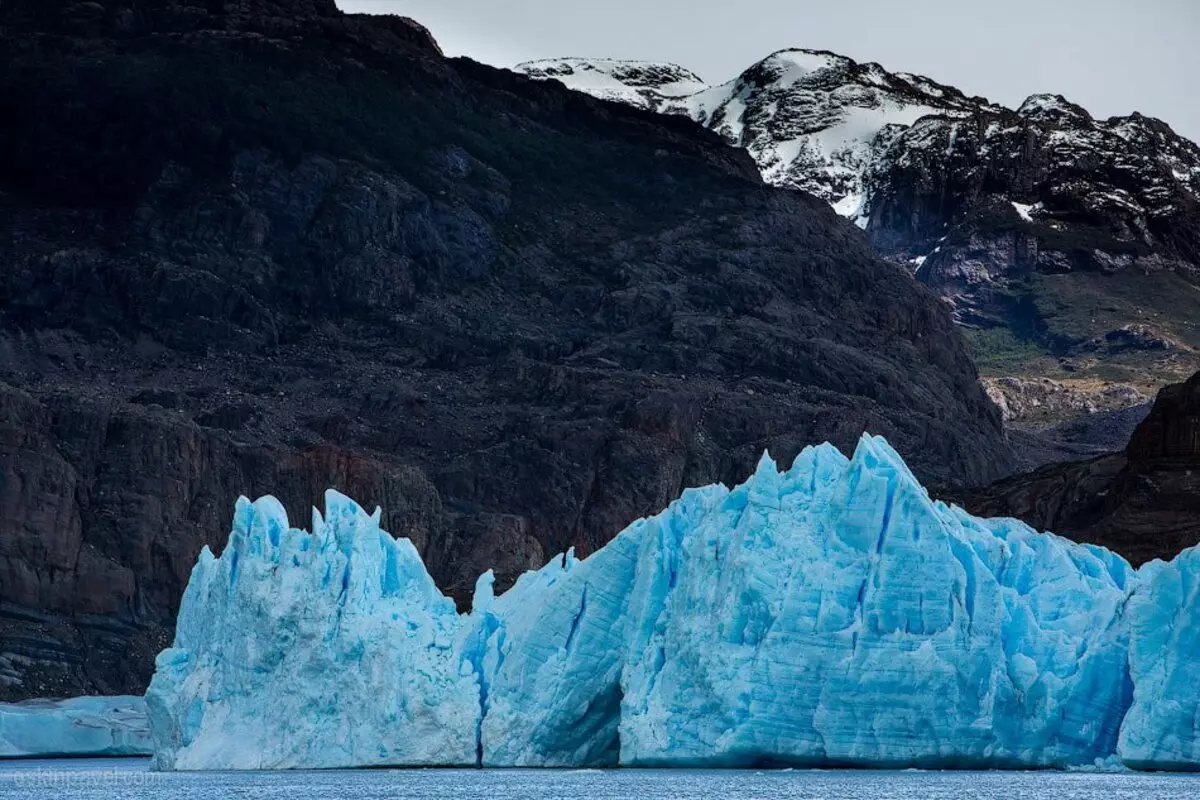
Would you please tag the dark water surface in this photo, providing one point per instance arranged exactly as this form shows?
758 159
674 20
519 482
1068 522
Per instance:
104 779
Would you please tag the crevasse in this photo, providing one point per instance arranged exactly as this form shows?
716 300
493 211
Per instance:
832 614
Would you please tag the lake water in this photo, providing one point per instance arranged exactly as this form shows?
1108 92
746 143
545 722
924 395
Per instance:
107 779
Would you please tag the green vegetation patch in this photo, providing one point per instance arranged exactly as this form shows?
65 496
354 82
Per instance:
1078 307
1001 351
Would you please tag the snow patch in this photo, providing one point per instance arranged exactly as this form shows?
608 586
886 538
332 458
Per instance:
640 83
1027 211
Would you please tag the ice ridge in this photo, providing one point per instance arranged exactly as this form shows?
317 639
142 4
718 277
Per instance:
831 614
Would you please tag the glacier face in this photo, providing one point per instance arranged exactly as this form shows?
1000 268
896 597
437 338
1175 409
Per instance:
79 726
325 649
831 614
1160 731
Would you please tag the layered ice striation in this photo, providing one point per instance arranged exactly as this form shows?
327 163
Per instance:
77 727
832 614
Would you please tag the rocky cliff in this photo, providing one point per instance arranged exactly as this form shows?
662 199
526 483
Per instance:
1143 502
261 247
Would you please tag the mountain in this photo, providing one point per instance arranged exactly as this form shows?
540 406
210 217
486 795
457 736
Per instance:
813 120
1068 247
262 247
1143 502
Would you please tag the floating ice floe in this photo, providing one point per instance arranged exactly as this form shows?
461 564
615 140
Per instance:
80 726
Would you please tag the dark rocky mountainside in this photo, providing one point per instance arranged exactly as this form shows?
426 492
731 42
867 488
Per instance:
261 247
1143 502
1068 246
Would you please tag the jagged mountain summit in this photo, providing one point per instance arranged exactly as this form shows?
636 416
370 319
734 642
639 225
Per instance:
1068 245
813 120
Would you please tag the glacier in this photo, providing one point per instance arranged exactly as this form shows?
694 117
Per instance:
1160 731
75 727
832 614
325 649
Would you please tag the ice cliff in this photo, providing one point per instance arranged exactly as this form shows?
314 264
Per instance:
325 649
1160 731
80 726
832 614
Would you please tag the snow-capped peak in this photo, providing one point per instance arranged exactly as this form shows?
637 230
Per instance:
969 193
811 118
796 64
1051 107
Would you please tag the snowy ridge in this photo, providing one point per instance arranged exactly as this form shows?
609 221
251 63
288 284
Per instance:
982 201
1138 165
813 120
907 157
829 614
645 84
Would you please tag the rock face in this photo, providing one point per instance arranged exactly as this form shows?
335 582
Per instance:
127 17
252 259
1171 434
1051 233
1144 503
1048 401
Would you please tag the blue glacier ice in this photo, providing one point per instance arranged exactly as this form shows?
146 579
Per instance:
1160 730
831 614
79 726
325 649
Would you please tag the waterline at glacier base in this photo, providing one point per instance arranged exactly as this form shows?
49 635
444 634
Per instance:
829 615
